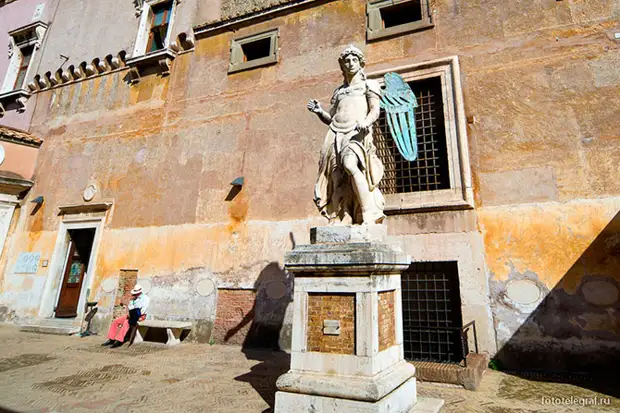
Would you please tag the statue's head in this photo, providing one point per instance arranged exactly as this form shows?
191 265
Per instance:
351 60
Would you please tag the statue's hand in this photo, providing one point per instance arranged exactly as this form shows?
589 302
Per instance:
362 127
314 106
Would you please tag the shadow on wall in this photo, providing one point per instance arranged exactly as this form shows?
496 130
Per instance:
575 330
273 292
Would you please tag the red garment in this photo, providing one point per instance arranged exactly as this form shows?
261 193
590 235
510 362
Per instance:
118 329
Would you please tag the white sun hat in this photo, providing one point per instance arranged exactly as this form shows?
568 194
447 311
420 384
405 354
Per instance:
136 290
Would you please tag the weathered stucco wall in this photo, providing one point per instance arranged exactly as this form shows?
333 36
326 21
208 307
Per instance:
539 83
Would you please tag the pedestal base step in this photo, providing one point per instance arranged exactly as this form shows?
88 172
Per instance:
401 400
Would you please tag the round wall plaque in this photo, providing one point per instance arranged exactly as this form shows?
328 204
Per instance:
89 192
109 284
523 292
205 287
600 292
145 284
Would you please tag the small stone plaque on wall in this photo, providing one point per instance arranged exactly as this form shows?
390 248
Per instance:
331 327
27 263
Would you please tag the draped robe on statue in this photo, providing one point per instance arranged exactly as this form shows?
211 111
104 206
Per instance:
333 193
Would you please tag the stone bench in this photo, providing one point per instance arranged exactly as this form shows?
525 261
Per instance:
174 329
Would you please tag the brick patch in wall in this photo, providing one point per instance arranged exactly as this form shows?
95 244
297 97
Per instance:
234 316
339 307
387 320
126 281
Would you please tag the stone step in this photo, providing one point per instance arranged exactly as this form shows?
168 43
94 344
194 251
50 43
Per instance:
51 326
468 377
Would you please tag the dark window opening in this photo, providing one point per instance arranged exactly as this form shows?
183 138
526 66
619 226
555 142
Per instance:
159 27
402 13
432 318
26 53
430 171
256 49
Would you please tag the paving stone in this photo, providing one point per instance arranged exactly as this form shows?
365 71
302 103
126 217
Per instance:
48 373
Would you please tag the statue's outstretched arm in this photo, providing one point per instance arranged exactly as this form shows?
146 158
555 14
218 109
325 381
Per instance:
315 106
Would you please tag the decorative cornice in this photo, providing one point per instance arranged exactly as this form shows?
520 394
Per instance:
184 43
258 13
84 208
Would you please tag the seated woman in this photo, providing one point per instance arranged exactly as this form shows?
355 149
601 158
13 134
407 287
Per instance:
136 311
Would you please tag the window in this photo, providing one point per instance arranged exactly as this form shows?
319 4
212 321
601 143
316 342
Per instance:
26 56
440 177
391 17
24 44
430 171
253 51
432 318
160 21
156 20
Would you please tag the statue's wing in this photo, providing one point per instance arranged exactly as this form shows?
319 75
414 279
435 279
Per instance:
399 103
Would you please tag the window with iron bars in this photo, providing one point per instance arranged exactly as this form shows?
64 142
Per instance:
432 316
430 171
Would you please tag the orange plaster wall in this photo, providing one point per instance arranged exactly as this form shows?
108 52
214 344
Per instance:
19 159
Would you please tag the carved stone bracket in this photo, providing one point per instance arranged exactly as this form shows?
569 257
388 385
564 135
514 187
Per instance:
138 6
165 65
17 97
21 104
134 75
161 58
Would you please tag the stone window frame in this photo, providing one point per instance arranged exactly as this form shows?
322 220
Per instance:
38 28
145 13
236 52
460 194
374 29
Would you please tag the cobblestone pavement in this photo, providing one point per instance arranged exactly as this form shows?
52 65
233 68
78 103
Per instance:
46 373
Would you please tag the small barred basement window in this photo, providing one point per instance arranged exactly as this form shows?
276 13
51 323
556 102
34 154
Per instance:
432 318
391 17
253 51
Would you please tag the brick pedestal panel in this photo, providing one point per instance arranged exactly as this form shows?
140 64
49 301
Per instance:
387 320
339 307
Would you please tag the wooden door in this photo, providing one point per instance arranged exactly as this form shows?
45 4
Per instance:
71 283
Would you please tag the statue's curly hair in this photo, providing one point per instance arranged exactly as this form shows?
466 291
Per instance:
352 50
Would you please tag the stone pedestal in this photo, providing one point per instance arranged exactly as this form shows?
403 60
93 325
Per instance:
347 346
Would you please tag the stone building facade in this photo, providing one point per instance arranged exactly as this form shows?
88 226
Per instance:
511 214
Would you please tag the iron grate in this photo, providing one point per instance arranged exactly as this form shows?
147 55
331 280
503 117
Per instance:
432 312
431 170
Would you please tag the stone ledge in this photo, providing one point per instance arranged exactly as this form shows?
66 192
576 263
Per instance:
341 234
401 400
351 257
369 389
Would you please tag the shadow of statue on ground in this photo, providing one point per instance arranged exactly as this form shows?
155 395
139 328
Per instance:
263 376
574 332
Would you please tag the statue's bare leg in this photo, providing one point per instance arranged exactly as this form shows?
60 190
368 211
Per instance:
369 212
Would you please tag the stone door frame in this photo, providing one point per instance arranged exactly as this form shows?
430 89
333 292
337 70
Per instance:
53 282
